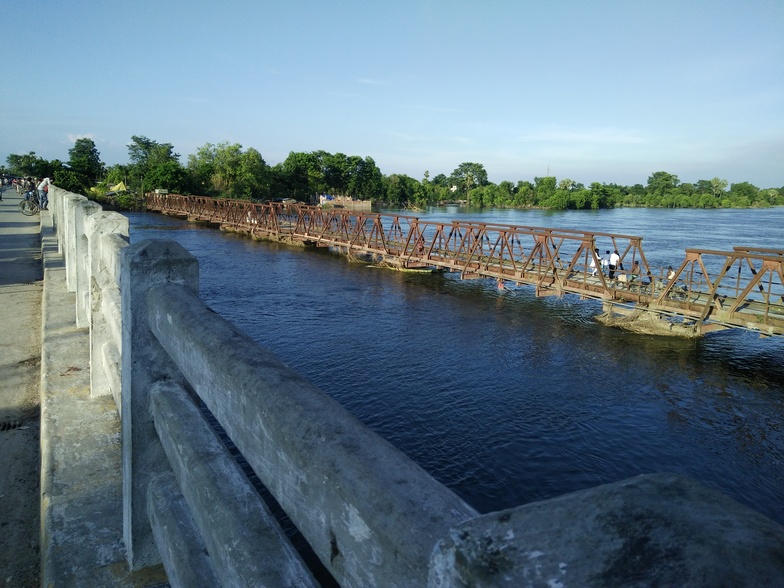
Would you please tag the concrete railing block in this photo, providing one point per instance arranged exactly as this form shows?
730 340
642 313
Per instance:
107 236
235 524
185 557
111 247
82 211
144 362
653 530
111 368
70 202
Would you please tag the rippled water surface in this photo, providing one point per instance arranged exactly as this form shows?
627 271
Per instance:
504 397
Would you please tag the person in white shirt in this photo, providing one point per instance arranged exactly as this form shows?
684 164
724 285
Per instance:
592 265
43 195
615 261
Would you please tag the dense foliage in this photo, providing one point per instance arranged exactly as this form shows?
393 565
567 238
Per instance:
226 170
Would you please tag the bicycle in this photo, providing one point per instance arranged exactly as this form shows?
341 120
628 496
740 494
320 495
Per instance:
30 205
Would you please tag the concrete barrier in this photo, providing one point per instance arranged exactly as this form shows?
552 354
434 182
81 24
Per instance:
372 516
91 242
107 236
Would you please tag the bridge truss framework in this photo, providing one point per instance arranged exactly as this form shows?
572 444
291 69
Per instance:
710 290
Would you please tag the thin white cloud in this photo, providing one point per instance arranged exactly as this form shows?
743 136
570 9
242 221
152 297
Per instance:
603 136
371 82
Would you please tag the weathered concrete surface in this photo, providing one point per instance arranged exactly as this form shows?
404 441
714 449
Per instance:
228 513
371 514
653 530
144 362
108 236
81 477
20 357
183 552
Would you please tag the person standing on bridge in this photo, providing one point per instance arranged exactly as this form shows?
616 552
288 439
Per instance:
594 262
43 193
615 261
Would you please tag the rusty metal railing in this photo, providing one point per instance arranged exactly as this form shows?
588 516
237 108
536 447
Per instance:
712 290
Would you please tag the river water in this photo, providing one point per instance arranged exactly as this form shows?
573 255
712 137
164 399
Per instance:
504 397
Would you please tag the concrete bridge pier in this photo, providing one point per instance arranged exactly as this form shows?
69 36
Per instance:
643 320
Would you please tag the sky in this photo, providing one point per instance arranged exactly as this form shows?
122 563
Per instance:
605 91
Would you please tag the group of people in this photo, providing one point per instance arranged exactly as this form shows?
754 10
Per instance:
608 264
27 185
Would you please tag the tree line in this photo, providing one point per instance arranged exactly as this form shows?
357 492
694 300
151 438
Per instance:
226 170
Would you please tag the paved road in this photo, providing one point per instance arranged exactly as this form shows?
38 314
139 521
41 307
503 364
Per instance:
20 359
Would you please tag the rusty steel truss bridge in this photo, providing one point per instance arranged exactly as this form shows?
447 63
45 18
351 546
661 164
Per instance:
710 290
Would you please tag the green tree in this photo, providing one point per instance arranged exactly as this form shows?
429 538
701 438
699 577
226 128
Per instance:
525 194
224 169
67 179
144 152
155 165
744 189
580 199
253 181
659 183
544 190
743 194
336 169
365 179
400 189
168 175
598 196
201 168
85 161
718 187
441 180
302 175
468 175
567 184
29 164
115 174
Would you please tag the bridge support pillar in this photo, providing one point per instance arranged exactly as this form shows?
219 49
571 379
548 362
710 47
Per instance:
67 232
144 362
82 210
646 321
107 235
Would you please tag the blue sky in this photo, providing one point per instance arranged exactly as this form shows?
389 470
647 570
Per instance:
607 91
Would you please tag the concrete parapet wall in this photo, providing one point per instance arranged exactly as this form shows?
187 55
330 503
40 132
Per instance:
91 242
231 518
372 516
652 530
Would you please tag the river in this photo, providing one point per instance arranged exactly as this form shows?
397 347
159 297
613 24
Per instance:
504 397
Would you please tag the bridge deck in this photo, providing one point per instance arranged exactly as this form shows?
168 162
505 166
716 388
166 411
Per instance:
742 288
